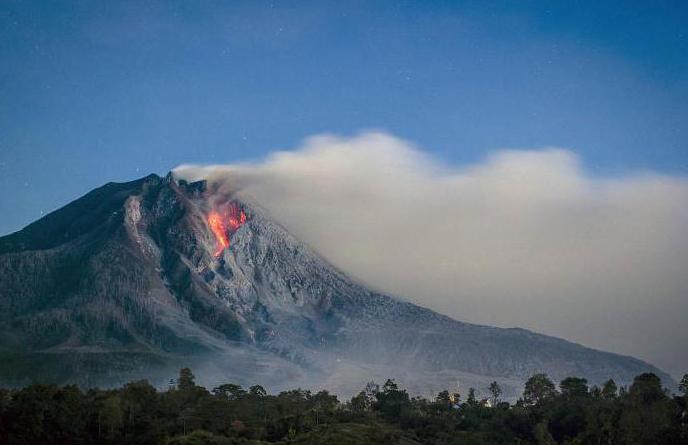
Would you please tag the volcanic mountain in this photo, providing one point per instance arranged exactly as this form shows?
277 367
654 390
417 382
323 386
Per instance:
137 279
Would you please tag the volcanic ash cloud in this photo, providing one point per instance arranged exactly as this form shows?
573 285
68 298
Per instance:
523 238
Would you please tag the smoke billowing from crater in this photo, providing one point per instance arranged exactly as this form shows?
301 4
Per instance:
523 238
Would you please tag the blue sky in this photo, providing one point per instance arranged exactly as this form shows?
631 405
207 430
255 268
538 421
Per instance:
92 92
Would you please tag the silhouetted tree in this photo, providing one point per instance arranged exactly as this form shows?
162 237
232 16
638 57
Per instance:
567 417
647 414
443 398
470 399
257 391
110 418
495 392
139 401
186 380
390 401
609 390
573 387
230 391
188 414
538 388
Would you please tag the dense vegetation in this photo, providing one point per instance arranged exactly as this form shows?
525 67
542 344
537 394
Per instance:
188 414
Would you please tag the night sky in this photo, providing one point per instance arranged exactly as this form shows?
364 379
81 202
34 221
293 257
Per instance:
92 92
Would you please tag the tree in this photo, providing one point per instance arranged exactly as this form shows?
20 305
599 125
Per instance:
371 390
609 390
538 389
567 416
257 391
595 392
443 398
391 400
648 412
471 400
28 411
390 386
139 404
110 417
138 414
542 435
496 392
186 382
646 389
574 387
360 403
69 418
324 405
230 391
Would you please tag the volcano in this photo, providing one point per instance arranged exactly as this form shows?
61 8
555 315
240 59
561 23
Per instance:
135 280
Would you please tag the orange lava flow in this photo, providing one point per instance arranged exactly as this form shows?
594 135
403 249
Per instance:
224 223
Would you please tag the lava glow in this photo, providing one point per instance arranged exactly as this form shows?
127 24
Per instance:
223 223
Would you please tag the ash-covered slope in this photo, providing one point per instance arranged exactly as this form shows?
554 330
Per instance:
124 283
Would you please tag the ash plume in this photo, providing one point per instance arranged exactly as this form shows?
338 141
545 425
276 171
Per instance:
523 238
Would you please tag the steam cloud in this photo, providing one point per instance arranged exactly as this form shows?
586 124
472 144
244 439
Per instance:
524 238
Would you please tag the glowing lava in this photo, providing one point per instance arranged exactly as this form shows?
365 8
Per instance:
223 224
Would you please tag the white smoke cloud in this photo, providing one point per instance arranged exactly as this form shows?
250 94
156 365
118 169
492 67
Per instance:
524 238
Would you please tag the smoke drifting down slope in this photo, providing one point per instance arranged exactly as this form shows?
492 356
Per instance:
524 238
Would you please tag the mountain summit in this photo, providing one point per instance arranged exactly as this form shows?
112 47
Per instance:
136 279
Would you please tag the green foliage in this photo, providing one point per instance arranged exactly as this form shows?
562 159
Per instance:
573 387
609 390
443 399
538 389
186 380
391 401
648 414
471 400
496 392
352 434
187 414
257 391
201 437
360 403
230 391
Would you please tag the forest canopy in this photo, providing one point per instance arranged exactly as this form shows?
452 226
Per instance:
571 412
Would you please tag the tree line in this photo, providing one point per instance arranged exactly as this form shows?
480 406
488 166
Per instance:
187 414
